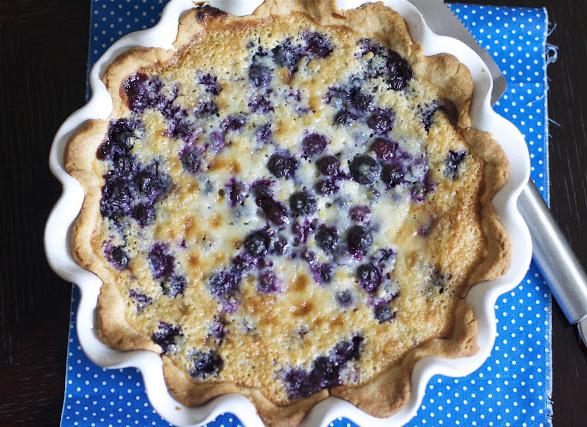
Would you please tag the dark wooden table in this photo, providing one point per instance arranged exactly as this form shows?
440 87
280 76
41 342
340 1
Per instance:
43 51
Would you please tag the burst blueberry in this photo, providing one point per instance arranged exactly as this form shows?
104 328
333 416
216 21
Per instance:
384 149
140 299
268 282
224 284
160 260
381 121
173 286
166 335
383 313
316 44
393 174
191 157
235 192
428 114
210 83
273 210
452 162
264 134
206 364
360 213
234 122
260 75
119 141
302 231
206 109
260 104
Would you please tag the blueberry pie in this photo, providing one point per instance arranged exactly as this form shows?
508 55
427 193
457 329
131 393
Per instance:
291 205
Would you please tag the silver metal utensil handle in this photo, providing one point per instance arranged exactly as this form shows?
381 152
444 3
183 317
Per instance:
554 256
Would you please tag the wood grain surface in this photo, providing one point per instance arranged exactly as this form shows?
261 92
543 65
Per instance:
43 52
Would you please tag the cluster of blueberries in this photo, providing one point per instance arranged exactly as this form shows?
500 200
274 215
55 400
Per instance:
132 189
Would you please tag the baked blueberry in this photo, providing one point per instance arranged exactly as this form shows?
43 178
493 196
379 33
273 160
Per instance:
273 210
428 114
369 278
302 231
452 162
260 75
316 44
267 282
282 165
287 54
322 272
381 121
393 174
234 122
224 284
344 117
327 238
264 134
243 262
206 364
326 187
160 260
313 143
383 313
165 336
260 104
384 148
173 286
210 83
120 136
344 298
302 203
257 243
235 192
191 157
364 169
328 165
143 92
360 213
116 256
206 109
358 239
140 299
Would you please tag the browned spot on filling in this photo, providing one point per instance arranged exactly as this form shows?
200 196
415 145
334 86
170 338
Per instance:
216 221
189 226
336 322
193 260
229 165
299 284
303 308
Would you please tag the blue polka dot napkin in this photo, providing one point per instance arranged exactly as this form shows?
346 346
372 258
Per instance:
514 386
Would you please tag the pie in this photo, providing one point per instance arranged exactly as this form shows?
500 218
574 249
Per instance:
289 205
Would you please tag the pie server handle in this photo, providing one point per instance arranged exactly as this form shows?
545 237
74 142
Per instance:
555 258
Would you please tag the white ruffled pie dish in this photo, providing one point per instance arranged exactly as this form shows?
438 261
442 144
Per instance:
482 296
